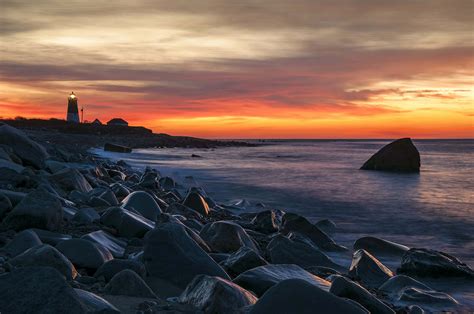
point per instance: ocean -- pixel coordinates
(321, 179)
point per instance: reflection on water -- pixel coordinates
(320, 179)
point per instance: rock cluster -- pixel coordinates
(93, 235)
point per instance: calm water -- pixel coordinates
(320, 179)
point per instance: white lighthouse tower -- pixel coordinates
(72, 110)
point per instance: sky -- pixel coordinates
(245, 69)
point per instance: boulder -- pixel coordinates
(380, 247)
(30, 152)
(11, 166)
(431, 263)
(114, 245)
(109, 196)
(368, 270)
(226, 237)
(21, 242)
(196, 202)
(400, 155)
(172, 255)
(49, 237)
(48, 256)
(345, 288)
(108, 147)
(85, 216)
(326, 225)
(113, 267)
(143, 203)
(38, 209)
(95, 304)
(260, 279)
(282, 250)
(128, 283)
(243, 259)
(133, 225)
(10, 179)
(216, 295)
(5, 205)
(70, 179)
(395, 285)
(266, 222)
(96, 201)
(429, 299)
(296, 223)
(84, 254)
(38, 290)
(299, 296)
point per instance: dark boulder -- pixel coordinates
(243, 259)
(299, 296)
(400, 155)
(431, 263)
(95, 304)
(38, 209)
(143, 203)
(368, 270)
(70, 179)
(5, 205)
(260, 279)
(380, 247)
(266, 221)
(128, 283)
(216, 295)
(226, 237)
(22, 242)
(114, 245)
(84, 254)
(108, 147)
(113, 267)
(196, 202)
(49, 237)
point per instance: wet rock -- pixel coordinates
(70, 179)
(96, 201)
(143, 203)
(368, 270)
(114, 245)
(48, 256)
(112, 217)
(216, 295)
(21, 242)
(299, 296)
(133, 225)
(296, 223)
(109, 197)
(326, 225)
(95, 304)
(243, 259)
(196, 202)
(400, 155)
(172, 255)
(113, 267)
(78, 197)
(13, 167)
(167, 183)
(14, 197)
(395, 285)
(49, 237)
(30, 152)
(127, 282)
(38, 209)
(38, 290)
(380, 247)
(180, 209)
(109, 147)
(120, 190)
(415, 309)
(282, 250)
(226, 237)
(344, 288)
(260, 279)
(5, 205)
(430, 263)
(437, 301)
(84, 254)
(85, 216)
(266, 222)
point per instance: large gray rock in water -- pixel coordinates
(400, 155)
(299, 296)
(172, 255)
(22, 242)
(430, 263)
(344, 288)
(368, 270)
(114, 245)
(196, 202)
(260, 279)
(84, 254)
(282, 250)
(216, 295)
(113, 267)
(143, 203)
(48, 256)
(296, 223)
(243, 259)
(128, 283)
(38, 209)
(380, 247)
(30, 152)
(70, 179)
(38, 290)
(226, 237)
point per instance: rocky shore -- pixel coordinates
(80, 234)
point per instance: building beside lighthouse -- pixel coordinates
(72, 109)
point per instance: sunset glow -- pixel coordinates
(247, 69)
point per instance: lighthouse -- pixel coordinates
(72, 110)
